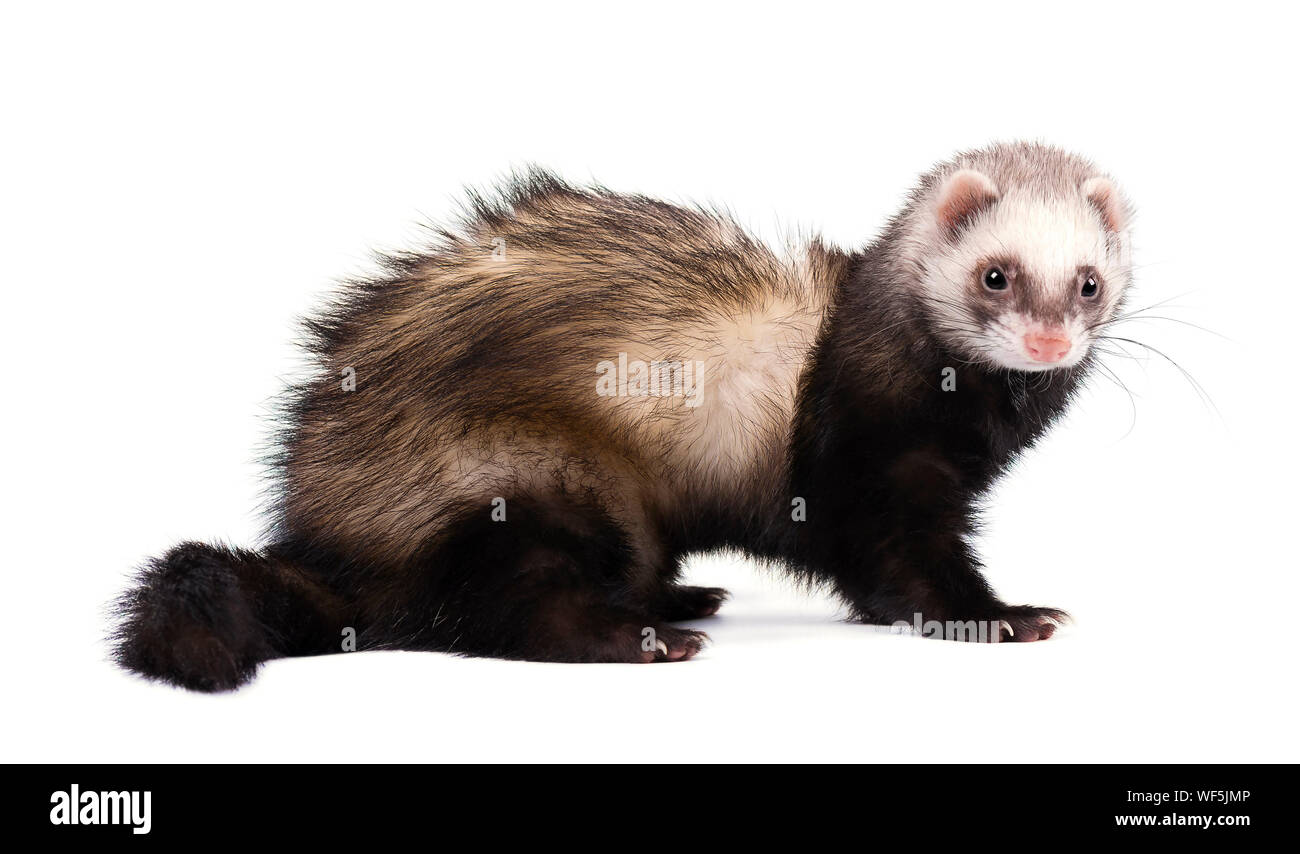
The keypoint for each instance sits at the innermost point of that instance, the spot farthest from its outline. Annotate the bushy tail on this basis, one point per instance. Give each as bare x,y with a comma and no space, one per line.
204,617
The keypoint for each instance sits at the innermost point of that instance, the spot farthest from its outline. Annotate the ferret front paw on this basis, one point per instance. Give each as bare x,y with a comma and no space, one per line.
1025,623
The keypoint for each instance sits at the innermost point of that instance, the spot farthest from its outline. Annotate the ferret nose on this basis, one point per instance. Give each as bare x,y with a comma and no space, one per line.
1049,346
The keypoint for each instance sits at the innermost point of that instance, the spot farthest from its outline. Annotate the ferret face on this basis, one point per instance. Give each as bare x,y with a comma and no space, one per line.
1023,278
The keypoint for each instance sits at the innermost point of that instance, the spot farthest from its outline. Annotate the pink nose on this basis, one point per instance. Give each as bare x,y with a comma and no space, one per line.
1050,346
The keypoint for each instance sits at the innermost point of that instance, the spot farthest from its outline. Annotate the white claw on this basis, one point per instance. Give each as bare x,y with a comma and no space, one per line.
1010,630
663,647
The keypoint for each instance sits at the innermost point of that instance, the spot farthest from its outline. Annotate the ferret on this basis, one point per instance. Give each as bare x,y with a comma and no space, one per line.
514,437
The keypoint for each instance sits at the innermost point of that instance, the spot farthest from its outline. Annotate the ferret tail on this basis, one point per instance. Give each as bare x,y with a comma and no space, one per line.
204,617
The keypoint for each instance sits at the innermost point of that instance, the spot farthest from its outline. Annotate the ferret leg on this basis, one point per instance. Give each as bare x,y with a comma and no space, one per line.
555,581
907,558
933,578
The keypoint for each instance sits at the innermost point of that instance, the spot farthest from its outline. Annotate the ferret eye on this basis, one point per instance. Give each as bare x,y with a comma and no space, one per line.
995,279
1089,288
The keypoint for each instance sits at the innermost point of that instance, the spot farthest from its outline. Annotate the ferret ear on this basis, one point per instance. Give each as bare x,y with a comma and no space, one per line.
964,194
1106,198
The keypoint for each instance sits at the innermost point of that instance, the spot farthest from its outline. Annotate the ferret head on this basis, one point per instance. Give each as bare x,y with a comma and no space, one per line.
1019,253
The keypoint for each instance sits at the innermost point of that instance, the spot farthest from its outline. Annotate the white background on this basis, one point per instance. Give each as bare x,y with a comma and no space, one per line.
178,186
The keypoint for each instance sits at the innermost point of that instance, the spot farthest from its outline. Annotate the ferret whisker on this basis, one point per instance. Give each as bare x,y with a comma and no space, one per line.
1160,304
1195,384
1136,318
1110,374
